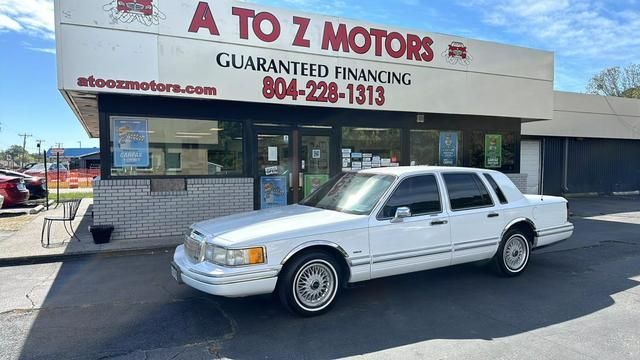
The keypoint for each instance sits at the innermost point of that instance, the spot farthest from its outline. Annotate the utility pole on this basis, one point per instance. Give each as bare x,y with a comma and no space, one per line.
24,146
80,143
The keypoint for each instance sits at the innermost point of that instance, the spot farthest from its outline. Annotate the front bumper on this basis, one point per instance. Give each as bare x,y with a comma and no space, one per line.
220,281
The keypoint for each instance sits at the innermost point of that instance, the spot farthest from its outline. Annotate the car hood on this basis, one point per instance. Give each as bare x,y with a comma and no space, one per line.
278,224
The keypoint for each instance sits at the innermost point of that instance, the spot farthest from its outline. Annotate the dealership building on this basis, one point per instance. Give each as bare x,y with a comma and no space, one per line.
205,109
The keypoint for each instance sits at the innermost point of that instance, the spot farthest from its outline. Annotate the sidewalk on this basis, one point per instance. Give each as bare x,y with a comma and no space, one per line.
24,244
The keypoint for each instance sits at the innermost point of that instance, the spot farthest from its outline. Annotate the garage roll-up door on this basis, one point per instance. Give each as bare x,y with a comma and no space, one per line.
530,164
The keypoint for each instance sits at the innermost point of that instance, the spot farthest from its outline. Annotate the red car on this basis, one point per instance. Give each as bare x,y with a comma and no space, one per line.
37,186
52,173
14,191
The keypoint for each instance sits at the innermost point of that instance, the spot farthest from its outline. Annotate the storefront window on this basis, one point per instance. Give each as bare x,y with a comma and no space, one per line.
434,147
493,150
365,148
175,147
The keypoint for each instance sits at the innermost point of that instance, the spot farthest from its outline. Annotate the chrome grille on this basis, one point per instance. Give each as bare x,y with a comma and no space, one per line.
193,249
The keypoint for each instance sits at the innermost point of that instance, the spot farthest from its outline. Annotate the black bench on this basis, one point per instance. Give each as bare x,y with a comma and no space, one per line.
70,209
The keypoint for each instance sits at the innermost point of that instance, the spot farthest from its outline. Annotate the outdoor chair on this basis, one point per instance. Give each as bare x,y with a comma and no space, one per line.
70,208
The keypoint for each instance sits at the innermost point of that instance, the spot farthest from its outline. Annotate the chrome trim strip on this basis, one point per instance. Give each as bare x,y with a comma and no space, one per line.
471,247
361,261
475,241
515,221
412,251
230,282
269,271
315,243
555,229
411,256
560,231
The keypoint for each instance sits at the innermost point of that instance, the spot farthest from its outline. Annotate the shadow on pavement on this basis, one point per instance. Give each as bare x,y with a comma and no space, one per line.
116,306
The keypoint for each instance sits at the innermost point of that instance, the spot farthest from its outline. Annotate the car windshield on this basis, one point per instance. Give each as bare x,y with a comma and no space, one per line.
352,193
38,167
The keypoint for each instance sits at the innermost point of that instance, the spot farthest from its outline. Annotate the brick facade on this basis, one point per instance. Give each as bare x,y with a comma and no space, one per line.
137,213
520,180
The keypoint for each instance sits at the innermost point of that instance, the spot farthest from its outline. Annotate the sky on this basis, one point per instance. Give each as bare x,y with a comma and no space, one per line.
586,36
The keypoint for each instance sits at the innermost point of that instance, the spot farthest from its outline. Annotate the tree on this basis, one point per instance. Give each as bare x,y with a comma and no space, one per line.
616,81
15,151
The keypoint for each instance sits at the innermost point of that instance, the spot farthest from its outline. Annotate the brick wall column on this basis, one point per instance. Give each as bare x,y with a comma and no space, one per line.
137,213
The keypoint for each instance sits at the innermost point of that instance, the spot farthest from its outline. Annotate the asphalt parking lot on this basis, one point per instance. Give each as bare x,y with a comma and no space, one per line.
578,300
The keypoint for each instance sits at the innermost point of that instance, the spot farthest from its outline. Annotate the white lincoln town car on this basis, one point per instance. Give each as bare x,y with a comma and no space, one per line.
370,224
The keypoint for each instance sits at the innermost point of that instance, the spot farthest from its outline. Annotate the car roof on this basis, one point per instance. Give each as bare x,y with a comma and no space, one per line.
9,178
416,170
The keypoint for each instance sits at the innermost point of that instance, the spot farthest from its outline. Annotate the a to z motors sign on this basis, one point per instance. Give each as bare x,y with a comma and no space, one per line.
232,50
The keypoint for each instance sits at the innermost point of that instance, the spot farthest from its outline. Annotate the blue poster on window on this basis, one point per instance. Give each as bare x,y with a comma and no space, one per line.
448,148
130,143
273,191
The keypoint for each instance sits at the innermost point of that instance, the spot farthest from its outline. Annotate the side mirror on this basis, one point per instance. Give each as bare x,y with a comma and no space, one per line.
401,213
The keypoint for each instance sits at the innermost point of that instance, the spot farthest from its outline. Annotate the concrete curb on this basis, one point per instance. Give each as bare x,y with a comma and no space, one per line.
45,259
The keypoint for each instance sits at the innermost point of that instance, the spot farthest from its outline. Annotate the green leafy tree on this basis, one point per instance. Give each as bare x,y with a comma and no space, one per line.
616,81
15,151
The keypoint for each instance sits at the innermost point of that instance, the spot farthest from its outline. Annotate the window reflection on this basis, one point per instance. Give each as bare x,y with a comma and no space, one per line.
179,147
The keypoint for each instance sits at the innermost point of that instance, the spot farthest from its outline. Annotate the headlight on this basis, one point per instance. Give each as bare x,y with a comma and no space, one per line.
237,257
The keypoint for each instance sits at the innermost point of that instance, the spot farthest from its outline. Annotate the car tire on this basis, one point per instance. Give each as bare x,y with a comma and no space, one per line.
309,284
513,253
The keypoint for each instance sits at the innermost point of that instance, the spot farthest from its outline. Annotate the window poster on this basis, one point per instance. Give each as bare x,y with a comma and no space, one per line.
272,153
130,142
313,182
273,191
448,148
493,151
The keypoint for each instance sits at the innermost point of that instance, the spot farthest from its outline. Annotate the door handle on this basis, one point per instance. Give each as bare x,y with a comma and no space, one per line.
492,215
439,222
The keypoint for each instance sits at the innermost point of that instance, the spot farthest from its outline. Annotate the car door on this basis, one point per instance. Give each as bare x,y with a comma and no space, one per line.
418,242
476,222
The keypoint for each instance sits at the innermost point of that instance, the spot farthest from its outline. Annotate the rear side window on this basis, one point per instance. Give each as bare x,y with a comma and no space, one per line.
419,193
466,191
496,189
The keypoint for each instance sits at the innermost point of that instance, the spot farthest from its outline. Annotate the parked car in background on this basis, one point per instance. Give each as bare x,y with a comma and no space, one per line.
13,190
27,166
366,225
37,186
52,172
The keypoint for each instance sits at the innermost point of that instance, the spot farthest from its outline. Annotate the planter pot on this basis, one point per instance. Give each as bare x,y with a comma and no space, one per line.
101,233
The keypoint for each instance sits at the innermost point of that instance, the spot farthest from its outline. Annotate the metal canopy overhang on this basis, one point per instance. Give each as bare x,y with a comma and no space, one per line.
85,106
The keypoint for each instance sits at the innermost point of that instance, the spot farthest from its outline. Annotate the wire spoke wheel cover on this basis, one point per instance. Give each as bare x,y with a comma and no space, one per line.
515,253
315,285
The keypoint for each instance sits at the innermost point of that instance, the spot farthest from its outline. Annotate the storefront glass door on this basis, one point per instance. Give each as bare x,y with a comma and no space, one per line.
274,175
315,167
291,164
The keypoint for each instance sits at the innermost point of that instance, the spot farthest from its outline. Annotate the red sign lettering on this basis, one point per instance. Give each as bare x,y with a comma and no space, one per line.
203,18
